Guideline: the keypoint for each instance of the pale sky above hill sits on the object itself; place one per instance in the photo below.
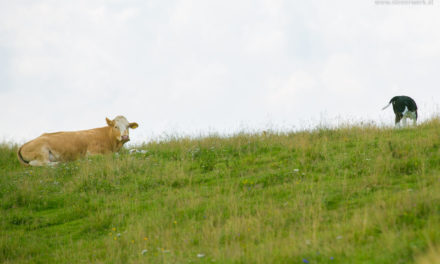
(191, 67)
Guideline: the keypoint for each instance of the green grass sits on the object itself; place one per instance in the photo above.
(347, 195)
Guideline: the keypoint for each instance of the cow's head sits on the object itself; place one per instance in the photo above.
(120, 127)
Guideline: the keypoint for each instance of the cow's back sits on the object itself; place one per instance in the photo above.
(72, 145)
(67, 146)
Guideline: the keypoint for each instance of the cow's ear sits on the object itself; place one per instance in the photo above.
(133, 125)
(109, 122)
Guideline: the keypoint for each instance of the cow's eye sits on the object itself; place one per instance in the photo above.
(116, 127)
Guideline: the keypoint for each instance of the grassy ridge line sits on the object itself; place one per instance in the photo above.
(349, 195)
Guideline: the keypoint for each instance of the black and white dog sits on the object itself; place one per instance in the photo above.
(404, 107)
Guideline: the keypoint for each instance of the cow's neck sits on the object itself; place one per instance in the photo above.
(114, 143)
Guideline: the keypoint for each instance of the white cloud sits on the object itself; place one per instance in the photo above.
(288, 94)
(192, 65)
(341, 75)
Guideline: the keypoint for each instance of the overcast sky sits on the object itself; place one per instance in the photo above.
(191, 67)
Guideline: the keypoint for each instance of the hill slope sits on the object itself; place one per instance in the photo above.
(350, 195)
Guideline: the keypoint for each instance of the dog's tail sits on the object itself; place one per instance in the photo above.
(386, 106)
(20, 157)
(391, 101)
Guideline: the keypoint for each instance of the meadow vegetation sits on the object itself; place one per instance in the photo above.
(355, 194)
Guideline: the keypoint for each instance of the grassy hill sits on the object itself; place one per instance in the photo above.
(347, 195)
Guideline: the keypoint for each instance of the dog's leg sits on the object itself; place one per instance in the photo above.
(397, 121)
(414, 118)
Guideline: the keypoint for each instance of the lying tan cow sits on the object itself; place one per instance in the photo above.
(51, 148)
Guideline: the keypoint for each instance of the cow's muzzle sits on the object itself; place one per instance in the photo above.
(125, 138)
